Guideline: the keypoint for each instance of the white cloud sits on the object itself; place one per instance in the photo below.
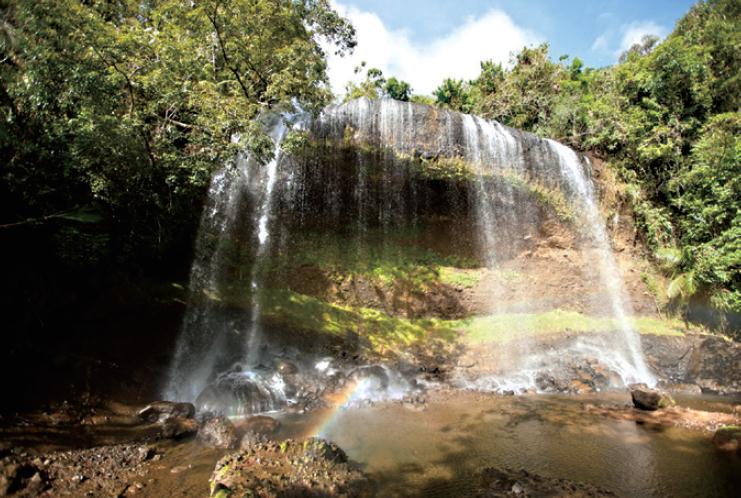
(616, 40)
(600, 43)
(458, 54)
(634, 32)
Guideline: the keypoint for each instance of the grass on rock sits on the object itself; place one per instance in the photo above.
(391, 333)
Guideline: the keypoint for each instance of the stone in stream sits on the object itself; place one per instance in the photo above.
(176, 427)
(161, 410)
(728, 438)
(312, 467)
(496, 482)
(645, 398)
(286, 367)
(219, 432)
(260, 424)
(235, 391)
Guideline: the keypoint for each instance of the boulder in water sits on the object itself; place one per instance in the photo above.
(260, 424)
(161, 410)
(728, 438)
(286, 367)
(177, 427)
(219, 432)
(312, 467)
(240, 393)
(376, 375)
(645, 398)
(497, 482)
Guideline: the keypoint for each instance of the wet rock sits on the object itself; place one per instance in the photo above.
(496, 482)
(147, 452)
(161, 410)
(580, 387)
(260, 424)
(645, 398)
(548, 383)
(712, 363)
(175, 427)
(322, 449)
(312, 467)
(250, 439)
(219, 432)
(179, 469)
(728, 438)
(239, 392)
(286, 367)
(376, 373)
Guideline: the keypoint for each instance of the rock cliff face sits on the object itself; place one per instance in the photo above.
(394, 229)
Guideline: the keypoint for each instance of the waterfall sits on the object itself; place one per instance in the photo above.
(493, 149)
(254, 212)
(254, 335)
(630, 360)
(234, 232)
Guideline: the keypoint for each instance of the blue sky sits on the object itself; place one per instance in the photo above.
(425, 41)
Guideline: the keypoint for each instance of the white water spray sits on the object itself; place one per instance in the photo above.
(630, 362)
(212, 335)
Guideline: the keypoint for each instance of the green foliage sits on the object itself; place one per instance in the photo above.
(376, 86)
(709, 203)
(524, 96)
(397, 89)
(667, 119)
(455, 95)
(388, 258)
(422, 99)
(460, 277)
(128, 106)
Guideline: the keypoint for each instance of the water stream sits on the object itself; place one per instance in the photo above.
(236, 220)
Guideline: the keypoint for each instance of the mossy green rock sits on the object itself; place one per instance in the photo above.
(311, 467)
(645, 398)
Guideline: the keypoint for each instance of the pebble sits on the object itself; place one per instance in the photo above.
(180, 468)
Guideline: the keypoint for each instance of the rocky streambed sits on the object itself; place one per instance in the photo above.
(449, 443)
(335, 426)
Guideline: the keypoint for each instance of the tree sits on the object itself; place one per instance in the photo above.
(376, 86)
(709, 204)
(397, 89)
(126, 107)
(523, 97)
(454, 94)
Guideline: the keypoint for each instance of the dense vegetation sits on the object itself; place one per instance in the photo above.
(666, 117)
(114, 115)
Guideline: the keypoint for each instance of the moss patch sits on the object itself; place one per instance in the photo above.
(384, 333)
(389, 260)
(459, 277)
(506, 327)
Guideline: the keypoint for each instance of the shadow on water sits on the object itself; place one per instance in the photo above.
(441, 451)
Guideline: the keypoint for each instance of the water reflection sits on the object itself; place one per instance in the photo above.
(440, 451)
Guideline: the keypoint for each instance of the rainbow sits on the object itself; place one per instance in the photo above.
(337, 401)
